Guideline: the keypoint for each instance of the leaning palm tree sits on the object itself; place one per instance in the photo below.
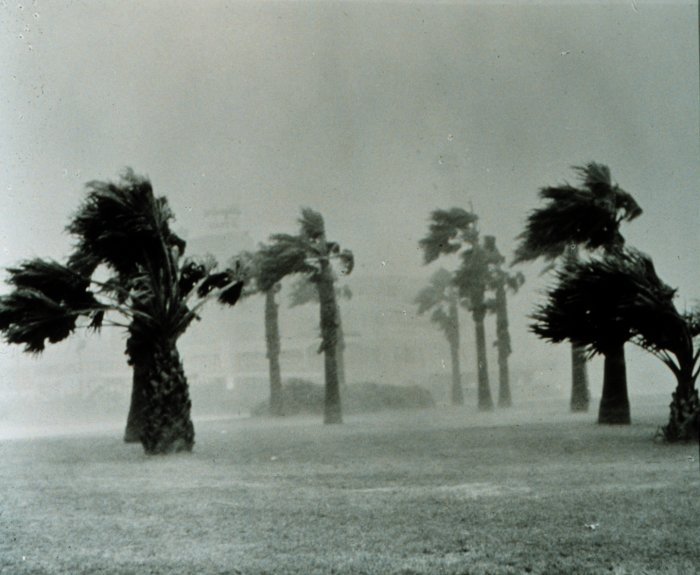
(265, 279)
(151, 291)
(607, 301)
(304, 292)
(311, 254)
(500, 281)
(574, 218)
(454, 231)
(441, 297)
(474, 277)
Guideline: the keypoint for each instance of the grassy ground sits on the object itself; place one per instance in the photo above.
(439, 491)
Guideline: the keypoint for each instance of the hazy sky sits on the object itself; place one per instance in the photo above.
(374, 113)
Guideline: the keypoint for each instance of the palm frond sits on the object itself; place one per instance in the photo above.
(608, 300)
(311, 222)
(589, 217)
(30, 317)
(123, 225)
(447, 232)
(284, 255)
(436, 292)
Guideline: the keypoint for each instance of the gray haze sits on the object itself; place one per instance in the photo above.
(373, 113)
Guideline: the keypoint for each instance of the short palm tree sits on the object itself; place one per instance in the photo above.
(124, 228)
(499, 282)
(440, 297)
(454, 231)
(573, 218)
(606, 301)
(311, 254)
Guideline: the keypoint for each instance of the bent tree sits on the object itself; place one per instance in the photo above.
(499, 282)
(150, 290)
(440, 297)
(454, 231)
(618, 297)
(303, 292)
(573, 219)
(311, 254)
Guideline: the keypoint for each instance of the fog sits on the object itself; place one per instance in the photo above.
(373, 113)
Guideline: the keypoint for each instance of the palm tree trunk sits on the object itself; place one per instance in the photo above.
(485, 402)
(168, 427)
(136, 418)
(684, 416)
(340, 349)
(329, 336)
(614, 403)
(453, 337)
(580, 396)
(272, 339)
(504, 349)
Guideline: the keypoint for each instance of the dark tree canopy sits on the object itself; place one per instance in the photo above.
(588, 216)
(448, 231)
(608, 300)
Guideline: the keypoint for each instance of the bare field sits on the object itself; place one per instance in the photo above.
(441, 491)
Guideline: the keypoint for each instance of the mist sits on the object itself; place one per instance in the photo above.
(373, 113)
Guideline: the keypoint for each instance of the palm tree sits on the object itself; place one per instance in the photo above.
(440, 296)
(613, 299)
(303, 292)
(500, 281)
(124, 228)
(311, 254)
(263, 276)
(454, 231)
(587, 217)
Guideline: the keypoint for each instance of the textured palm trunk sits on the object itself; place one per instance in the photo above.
(485, 401)
(504, 349)
(614, 403)
(453, 337)
(580, 396)
(168, 427)
(340, 349)
(272, 340)
(329, 335)
(136, 417)
(684, 416)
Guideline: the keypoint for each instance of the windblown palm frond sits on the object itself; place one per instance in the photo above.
(436, 292)
(45, 305)
(437, 296)
(607, 301)
(123, 225)
(284, 255)
(589, 216)
(312, 226)
(447, 233)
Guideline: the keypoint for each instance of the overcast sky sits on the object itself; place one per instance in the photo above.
(373, 113)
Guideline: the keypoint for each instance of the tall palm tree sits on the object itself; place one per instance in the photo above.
(311, 254)
(500, 281)
(440, 297)
(263, 276)
(574, 218)
(618, 297)
(303, 292)
(454, 231)
(123, 227)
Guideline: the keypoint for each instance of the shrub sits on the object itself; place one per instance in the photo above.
(302, 396)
